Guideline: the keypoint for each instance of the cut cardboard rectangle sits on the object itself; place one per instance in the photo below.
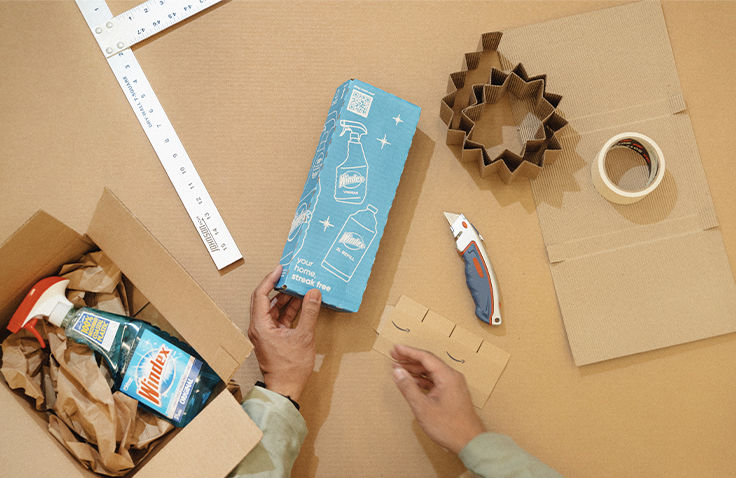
(637, 277)
(410, 323)
(222, 434)
(351, 185)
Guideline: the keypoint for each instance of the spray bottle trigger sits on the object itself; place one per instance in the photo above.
(40, 301)
(31, 327)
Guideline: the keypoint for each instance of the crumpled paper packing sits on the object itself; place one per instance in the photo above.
(105, 431)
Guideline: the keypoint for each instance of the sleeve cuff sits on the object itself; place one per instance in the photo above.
(493, 454)
(293, 402)
(258, 401)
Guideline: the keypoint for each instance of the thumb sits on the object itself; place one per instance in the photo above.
(310, 310)
(409, 389)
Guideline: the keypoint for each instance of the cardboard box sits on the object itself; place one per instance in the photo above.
(219, 437)
(343, 210)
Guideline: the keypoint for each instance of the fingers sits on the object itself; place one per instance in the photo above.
(412, 368)
(429, 361)
(260, 304)
(277, 304)
(310, 311)
(418, 374)
(405, 353)
(409, 389)
(286, 316)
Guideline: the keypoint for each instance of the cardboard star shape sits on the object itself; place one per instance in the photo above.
(534, 111)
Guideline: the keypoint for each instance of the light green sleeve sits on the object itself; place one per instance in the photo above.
(497, 456)
(283, 429)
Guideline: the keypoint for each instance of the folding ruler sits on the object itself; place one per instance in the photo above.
(115, 37)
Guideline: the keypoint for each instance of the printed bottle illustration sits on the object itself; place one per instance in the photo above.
(319, 156)
(300, 225)
(351, 177)
(351, 243)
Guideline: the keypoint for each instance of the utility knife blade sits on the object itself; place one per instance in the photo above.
(479, 274)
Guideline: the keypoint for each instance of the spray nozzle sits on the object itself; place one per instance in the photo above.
(356, 129)
(46, 299)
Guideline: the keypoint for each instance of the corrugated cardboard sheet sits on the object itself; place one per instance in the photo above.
(629, 278)
(246, 85)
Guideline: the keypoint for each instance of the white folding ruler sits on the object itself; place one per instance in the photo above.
(122, 32)
(149, 18)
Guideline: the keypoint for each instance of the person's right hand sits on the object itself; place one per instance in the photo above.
(445, 413)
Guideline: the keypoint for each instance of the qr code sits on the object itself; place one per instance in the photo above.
(360, 103)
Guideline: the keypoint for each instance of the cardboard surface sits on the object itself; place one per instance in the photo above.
(229, 79)
(626, 274)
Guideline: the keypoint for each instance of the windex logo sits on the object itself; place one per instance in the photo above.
(301, 217)
(317, 166)
(350, 180)
(352, 241)
(150, 386)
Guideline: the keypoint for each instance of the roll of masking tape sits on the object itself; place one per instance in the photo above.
(647, 149)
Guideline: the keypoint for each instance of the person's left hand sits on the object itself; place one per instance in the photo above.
(285, 353)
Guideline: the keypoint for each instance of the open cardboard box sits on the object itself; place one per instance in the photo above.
(219, 437)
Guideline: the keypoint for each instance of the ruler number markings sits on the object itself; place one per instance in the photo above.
(143, 21)
(166, 143)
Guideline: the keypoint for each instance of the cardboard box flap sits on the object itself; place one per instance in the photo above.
(606, 94)
(410, 323)
(44, 243)
(210, 445)
(28, 440)
(190, 310)
(653, 296)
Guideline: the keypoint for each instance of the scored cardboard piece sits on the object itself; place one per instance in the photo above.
(410, 323)
(534, 110)
(349, 191)
(636, 277)
(222, 434)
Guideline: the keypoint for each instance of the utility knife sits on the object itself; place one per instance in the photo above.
(479, 274)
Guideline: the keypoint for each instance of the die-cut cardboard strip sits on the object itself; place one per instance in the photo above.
(410, 323)
(461, 115)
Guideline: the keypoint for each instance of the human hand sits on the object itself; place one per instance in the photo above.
(285, 352)
(445, 413)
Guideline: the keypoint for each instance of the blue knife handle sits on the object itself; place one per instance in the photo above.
(479, 282)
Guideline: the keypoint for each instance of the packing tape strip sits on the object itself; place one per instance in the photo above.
(647, 149)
